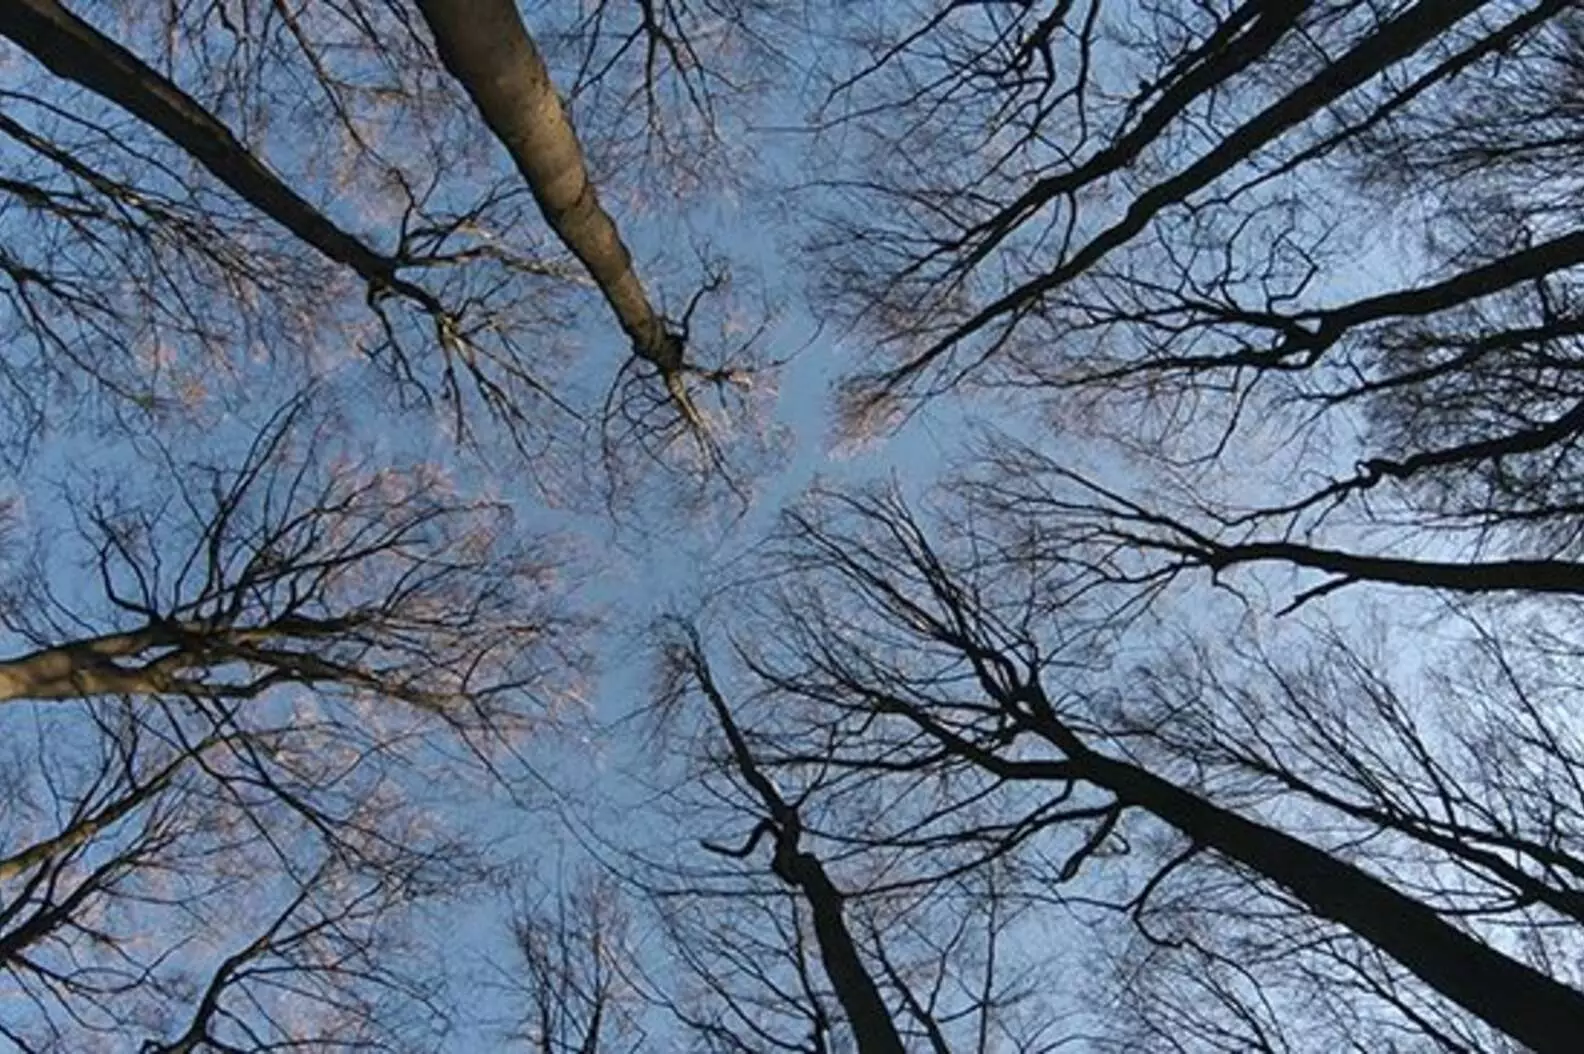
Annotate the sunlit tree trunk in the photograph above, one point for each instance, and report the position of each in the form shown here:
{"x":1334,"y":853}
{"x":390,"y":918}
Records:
{"x":486,"y":47}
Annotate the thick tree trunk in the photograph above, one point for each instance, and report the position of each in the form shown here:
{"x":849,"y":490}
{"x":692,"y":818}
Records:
{"x":1526,"y":576}
{"x":486,"y":47}
{"x":1506,"y":994}
{"x":173,"y":658}
{"x":87,"y":668}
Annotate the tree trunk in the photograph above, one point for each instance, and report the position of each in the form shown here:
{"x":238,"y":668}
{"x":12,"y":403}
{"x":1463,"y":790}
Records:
{"x":486,"y":47}
{"x":873,"y":1030}
{"x":76,"y":51}
{"x":1504,"y":993}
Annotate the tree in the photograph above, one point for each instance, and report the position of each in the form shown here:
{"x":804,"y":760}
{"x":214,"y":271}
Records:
{"x":1163,"y":246}
{"x":470,"y":288}
{"x":898,"y":660}
{"x":490,"y":53}
{"x":758,"y":908}
{"x":216,"y":827}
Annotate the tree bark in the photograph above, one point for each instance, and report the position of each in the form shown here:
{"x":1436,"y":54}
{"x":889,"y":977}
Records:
{"x":1528,"y":576}
{"x":1509,"y":996}
{"x":486,"y":47}
{"x":86,"y":668}
{"x":873,"y":1030}
{"x":76,"y":51}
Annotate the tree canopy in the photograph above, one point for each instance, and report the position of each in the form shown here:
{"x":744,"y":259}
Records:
{"x":740,"y":527}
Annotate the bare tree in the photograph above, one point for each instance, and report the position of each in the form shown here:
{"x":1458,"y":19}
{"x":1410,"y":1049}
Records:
{"x":576,"y":958}
{"x":855,"y":988}
{"x":764,"y":908}
{"x":225,"y":746}
{"x":465,"y":307}
{"x":989,"y":671}
{"x":1456,"y":782}
{"x":1295,"y":284}
{"x":1333,"y":240}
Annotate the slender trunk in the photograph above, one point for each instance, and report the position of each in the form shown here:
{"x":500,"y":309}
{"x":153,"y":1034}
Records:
{"x":860,"y":999}
{"x":76,"y":51}
{"x":873,"y":1030}
{"x":84,"y":829}
{"x":486,"y":47}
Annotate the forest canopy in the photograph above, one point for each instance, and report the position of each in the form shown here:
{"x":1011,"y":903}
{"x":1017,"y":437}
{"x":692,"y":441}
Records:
{"x":725,"y":526}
